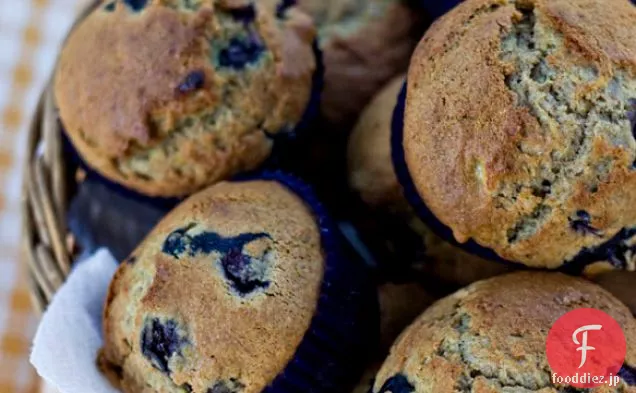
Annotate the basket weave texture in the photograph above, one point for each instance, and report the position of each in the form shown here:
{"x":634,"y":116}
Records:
{"x":45,"y":240}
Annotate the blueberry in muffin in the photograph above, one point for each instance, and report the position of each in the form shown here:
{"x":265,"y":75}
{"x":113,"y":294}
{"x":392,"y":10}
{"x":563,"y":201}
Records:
{"x":160,"y":341}
{"x":242,"y":288}
{"x":244,"y":271}
{"x":531,"y":103}
{"x":410,"y":242}
{"x":397,"y":384}
{"x":364,"y":43}
{"x":491,"y":337}
{"x":185,"y":93}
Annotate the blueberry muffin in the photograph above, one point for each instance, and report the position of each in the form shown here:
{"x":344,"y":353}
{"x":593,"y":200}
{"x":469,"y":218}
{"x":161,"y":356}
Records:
{"x":372,"y":177}
{"x":518,"y":130}
{"x":242,"y":288}
{"x":167,"y":96}
{"x":364,"y":44}
{"x":490,"y":337}
{"x":370,"y":169}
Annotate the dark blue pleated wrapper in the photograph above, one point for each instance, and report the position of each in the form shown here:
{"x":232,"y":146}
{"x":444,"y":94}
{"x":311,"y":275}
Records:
{"x":283,"y":142}
{"x":410,"y":192}
{"x":613,"y":250}
{"x":103,"y":213}
{"x":628,"y":373}
{"x":436,"y":8}
{"x":344,"y":331}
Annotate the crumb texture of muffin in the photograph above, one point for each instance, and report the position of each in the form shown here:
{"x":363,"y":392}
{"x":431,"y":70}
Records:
{"x":519,"y":128}
{"x":490,"y":337}
{"x":167,"y":96}
{"x":372,"y":176}
{"x":365,"y":43}
{"x":219,"y":296}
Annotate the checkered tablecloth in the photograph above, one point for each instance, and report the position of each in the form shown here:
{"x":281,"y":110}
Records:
{"x":30,"y":36}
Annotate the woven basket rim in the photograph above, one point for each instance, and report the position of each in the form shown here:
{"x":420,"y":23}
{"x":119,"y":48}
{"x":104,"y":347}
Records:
{"x":46,"y":248}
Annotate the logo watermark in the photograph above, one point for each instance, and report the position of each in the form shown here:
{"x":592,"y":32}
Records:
{"x":586,"y":348}
{"x":585,"y":379}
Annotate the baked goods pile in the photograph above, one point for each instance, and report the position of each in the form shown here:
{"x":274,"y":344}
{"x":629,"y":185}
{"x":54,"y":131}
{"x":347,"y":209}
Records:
{"x":499,"y":137}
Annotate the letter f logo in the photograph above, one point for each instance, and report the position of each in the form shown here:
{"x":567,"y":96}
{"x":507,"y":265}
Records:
{"x":583,"y":345}
{"x":571,"y":343}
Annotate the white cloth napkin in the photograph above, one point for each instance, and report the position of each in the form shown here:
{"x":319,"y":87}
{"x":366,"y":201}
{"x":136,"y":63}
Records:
{"x":47,"y":388}
{"x":70,"y":334}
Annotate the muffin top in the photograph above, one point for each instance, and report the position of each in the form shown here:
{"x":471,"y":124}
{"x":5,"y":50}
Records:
{"x":519,"y":127}
{"x":371,"y":174}
{"x":491,"y":337}
{"x":342,"y":18}
{"x":370,"y":167}
{"x":219,"y":295}
{"x":185,"y":93}
{"x":365,"y":43}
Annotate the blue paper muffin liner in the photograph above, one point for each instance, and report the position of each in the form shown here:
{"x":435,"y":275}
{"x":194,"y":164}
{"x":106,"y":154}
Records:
{"x":612,"y":250}
{"x":410,"y":192}
{"x":99,"y":217}
{"x":283,"y":142}
{"x":435,"y":8}
{"x":344,"y":331}
{"x":628,"y":373}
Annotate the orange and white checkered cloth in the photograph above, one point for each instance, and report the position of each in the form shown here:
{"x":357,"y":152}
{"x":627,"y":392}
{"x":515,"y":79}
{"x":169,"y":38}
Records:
{"x":30,"y":35}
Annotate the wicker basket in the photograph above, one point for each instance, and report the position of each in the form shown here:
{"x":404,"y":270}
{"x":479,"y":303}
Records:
{"x":47,"y":250}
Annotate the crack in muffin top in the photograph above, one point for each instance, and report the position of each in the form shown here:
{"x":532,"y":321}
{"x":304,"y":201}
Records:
{"x":167,"y":96}
{"x":532,"y":103}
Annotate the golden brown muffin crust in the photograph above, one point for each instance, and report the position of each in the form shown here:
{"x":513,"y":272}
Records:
{"x":500,"y":159}
{"x":491,"y":336}
{"x":229,"y":336}
{"x":372,"y":175}
{"x":370,"y":169}
{"x":122,"y":89}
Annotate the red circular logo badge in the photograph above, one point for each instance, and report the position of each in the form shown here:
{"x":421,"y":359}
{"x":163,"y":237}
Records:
{"x":585,"y":348}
